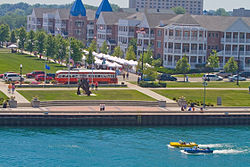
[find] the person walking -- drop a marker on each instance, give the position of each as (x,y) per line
(127,75)
(96,86)
(123,75)
(13,88)
(187,78)
(9,87)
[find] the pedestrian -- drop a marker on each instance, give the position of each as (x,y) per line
(138,80)
(123,75)
(9,87)
(127,75)
(96,86)
(13,88)
(187,78)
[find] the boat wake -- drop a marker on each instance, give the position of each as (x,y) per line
(170,146)
(229,151)
(213,145)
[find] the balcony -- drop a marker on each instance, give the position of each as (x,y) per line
(146,36)
(90,26)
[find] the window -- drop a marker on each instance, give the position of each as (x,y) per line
(159,33)
(158,44)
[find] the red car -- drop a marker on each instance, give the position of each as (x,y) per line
(41,77)
(33,74)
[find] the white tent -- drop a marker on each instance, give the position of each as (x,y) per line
(12,46)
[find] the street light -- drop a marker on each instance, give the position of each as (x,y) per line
(69,62)
(204,99)
(142,31)
(238,71)
(21,70)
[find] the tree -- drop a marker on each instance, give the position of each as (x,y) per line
(179,10)
(157,62)
(40,41)
(75,50)
(13,37)
(221,12)
(118,52)
(183,66)
(90,58)
(150,73)
(4,33)
(51,47)
(231,66)
(148,56)
(133,42)
(104,48)
(31,41)
(22,35)
(213,60)
(93,46)
(130,54)
(62,45)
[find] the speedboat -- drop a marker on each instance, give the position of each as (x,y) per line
(198,150)
(183,144)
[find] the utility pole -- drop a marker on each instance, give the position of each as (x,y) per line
(204,98)
(238,71)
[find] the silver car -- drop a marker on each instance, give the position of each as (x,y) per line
(235,77)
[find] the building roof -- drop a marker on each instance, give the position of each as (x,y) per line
(78,8)
(111,18)
(40,11)
(154,19)
(151,10)
(104,7)
(64,13)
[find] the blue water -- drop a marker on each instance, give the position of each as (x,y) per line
(123,147)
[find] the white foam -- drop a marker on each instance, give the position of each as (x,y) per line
(212,145)
(230,151)
(184,152)
(170,146)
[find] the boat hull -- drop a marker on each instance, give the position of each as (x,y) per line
(176,144)
(196,151)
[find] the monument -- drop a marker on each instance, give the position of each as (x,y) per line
(84,84)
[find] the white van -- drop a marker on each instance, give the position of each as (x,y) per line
(12,77)
(212,77)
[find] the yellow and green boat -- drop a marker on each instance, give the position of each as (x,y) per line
(183,144)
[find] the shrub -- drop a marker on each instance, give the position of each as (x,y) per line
(153,84)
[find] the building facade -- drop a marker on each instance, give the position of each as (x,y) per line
(191,6)
(241,12)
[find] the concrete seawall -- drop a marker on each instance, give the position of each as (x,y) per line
(123,119)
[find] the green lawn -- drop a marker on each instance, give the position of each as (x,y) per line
(100,95)
(229,97)
(215,84)
(212,84)
(12,61)
(196,75)
(2,95)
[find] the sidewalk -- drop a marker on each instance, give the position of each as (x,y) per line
(18,97)
(150,93)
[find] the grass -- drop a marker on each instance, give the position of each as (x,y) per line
(212,84)
(2,95)
(195,75)
(12,61)
(229,97)
(100,95)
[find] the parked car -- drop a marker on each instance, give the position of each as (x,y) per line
(166,77)
(212,77)
(224,74)
(13,77)
(245,74)
(4,75)
(34,73)
(41,77)
(235,77)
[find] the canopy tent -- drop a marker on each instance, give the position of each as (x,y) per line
(12,46)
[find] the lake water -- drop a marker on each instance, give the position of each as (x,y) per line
(123,147)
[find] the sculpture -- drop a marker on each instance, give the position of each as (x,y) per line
(84,84)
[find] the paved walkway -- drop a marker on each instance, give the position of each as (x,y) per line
(149,92)
(201,88)
(18,97)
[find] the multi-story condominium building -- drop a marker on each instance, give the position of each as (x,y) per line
(75,22)
(241,12)
(191,6)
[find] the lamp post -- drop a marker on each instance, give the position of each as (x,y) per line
(21,70)
(204,98)
(69,62)
(238,71)
(142,31)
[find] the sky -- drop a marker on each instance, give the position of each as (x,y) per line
(208,4)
